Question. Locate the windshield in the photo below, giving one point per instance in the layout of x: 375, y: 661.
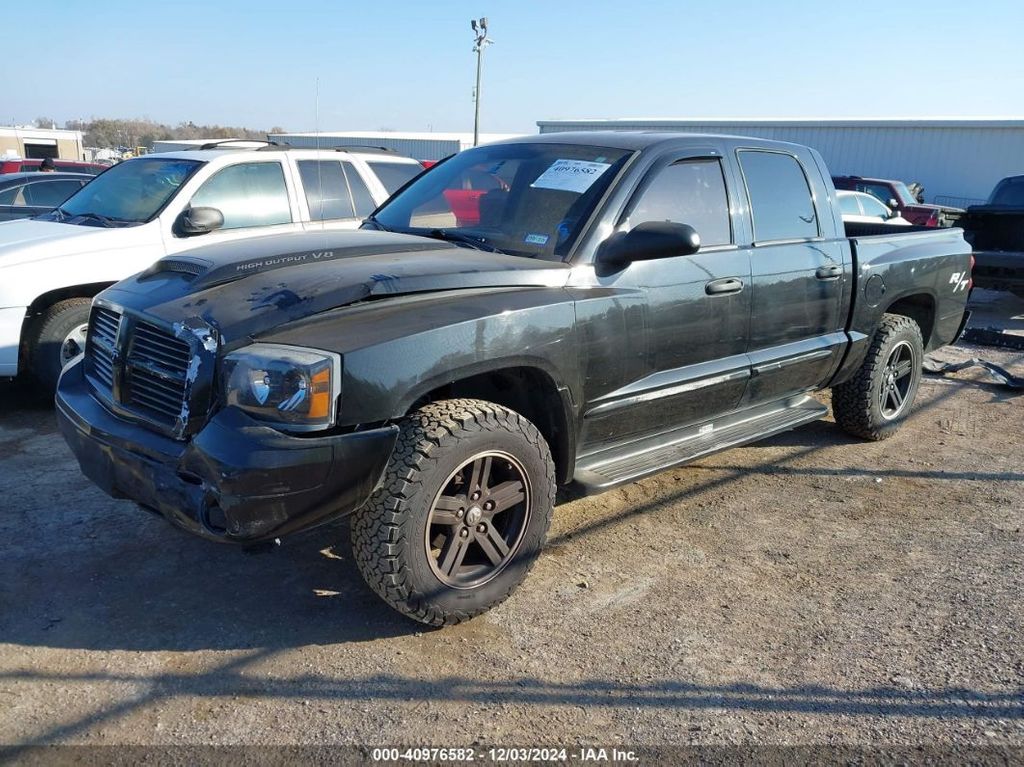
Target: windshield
x: 522, y: 199
x: 906, y: 197
x: 1009, y: 193
x: 130, y: 192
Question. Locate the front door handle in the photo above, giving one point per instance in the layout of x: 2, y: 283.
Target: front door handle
x: 831, y: 272
x: 724, y: 286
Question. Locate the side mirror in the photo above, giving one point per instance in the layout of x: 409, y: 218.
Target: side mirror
x: 648, y: 241
x: 893, y: 204
x: 194, y: 221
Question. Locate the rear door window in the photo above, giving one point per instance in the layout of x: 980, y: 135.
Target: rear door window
x: 248, y: 194
x: 327, y: 193
x: 781, y: 204
x: 50, y: 194
x: 361, y: 196
x: 395, y: 175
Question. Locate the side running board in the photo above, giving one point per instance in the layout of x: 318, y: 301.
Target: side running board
x: 622, y: 464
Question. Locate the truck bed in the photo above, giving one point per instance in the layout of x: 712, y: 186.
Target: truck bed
x: 859, y: 229
x: 914, y: 261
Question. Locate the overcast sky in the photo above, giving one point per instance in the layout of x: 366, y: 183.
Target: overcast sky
x: 409, y: 65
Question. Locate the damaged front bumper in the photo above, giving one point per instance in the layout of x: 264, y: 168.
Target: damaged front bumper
x: 235, y: 480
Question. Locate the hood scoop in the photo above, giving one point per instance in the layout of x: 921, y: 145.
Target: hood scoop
x: 188, y: 268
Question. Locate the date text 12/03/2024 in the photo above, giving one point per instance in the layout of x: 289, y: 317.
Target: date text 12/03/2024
x: 503, y: 754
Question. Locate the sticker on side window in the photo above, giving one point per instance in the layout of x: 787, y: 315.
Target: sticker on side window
x: 571, y: 175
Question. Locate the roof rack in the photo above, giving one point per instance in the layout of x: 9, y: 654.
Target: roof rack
x: 269, y: 145
x: 362, y: 148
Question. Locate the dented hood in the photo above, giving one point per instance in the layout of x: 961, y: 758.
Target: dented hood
x: 246, y: 288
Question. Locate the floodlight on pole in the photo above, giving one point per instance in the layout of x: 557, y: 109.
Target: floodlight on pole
x: 481, y: 41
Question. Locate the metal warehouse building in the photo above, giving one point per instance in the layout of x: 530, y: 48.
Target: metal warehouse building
x: 958, y: 161
x: 419, y: 146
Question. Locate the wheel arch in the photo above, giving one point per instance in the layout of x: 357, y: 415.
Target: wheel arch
x: 529, y: 390
x: 920, y: 307
x: 43, y: 302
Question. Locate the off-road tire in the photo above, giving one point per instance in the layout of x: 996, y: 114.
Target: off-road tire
x: 855, y: 403
x: 50, y: 330
x: 388, y: 532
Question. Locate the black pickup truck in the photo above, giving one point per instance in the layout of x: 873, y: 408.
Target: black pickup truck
x: 568, y: 310
x: 996, y: 232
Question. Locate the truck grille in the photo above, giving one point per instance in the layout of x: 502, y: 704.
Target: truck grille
x: 155, y: 372
x: 138, y: 367
x: 100, y: 345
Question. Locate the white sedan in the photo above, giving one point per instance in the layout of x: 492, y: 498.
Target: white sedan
x: 867, y: 209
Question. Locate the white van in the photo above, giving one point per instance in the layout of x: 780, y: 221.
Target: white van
x: 160, y: 204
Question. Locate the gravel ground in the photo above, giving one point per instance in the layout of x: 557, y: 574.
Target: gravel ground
x: 810, y: 589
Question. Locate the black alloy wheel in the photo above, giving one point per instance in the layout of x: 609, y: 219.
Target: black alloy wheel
x: 478, y: 519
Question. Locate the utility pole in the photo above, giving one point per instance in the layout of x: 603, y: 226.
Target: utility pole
x: 480, y: 42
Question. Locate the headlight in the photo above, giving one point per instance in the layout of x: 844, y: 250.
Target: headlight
x: 286, y: 386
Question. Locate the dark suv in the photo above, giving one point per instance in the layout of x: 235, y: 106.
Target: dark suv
x: 897, y: 196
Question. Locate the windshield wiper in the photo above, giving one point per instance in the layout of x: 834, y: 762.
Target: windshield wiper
x: 478, y: 243
x: 105, y: 220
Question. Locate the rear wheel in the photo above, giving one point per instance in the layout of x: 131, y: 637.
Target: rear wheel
x: 59, y: 338
x: 461, y: 514
x: 874, y: 402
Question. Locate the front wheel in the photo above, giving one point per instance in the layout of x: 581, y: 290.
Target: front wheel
x: 874, y: 403
x: 461, y: 514
x: 59, y: 338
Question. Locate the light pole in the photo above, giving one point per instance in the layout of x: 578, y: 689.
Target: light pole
x: 481, y: 41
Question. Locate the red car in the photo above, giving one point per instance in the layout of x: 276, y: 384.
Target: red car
x: 896, y: 195
x: 63, y: 166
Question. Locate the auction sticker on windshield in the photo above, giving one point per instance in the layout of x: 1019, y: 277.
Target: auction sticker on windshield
x: 571, y: 175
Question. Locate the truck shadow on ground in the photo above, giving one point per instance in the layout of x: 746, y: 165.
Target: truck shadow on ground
x: 234, y: 678
x: 139, y: 584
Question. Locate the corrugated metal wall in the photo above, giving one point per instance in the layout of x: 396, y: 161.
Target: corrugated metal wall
x: 952, y: 159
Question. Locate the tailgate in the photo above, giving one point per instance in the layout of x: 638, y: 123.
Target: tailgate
x: 992, y: 228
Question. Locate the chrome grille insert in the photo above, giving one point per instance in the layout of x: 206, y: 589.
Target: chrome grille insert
x: 155, y: 372
x: 100, y: 346
x: 139, y: 367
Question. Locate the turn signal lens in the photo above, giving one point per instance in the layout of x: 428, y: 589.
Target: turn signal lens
x: 320, y: 400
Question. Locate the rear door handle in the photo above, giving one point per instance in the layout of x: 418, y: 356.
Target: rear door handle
x: 723, y: 286
x: 832, y: 272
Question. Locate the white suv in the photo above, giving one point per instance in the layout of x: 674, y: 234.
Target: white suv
x: 160, y: 204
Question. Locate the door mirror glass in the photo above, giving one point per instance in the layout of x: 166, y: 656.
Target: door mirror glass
x: 201, y: 220
x: 648, y: 241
